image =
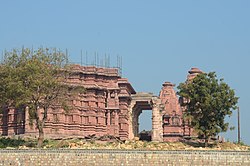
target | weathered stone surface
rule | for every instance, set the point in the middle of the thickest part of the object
(121, 157)
(102, 110)
(193, 73)
(110, 106)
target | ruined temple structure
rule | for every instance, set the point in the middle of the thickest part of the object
(110, 106)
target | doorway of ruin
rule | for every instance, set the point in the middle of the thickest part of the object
(145, 125)
(139, 107)
(140, 102)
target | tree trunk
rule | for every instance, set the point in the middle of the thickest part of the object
(206, 141)
(40, 125)
(40, 137)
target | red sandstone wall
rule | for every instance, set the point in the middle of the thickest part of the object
(174, 126)
(172, 113)
(102, 110)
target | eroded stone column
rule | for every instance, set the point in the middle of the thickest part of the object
(108, 118)
(156, 120)
(136, 113)
(116, 129)
(131, 133)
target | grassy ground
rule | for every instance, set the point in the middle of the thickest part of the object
(129, 145)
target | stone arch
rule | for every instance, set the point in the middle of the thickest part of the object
(145, 101)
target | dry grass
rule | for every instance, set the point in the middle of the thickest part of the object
(126, 145)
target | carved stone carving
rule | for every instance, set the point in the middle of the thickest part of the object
(109, 106)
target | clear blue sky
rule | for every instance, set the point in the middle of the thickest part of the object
(158, 40)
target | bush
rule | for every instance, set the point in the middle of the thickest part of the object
(8, 142)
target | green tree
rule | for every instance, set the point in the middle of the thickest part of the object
(207, 101)
(37, 81)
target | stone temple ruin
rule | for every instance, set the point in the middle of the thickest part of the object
(110, 106)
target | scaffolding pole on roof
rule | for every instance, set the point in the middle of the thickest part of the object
(81, 57)
(97, 59)
(86, 58)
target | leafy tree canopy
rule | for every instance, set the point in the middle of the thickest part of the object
(207, 101)
(36, 80)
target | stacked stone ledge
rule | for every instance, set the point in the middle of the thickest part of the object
(116, 157)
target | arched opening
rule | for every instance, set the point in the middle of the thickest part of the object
(142, 120)
(145, 125)
(145, 101)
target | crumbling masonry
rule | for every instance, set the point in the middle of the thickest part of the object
(110, 106)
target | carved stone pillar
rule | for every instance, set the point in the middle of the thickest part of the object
(28, 128)
(131, 133)
(108, 94)
(156, 120)
(116, 117)
(116, 123)
(27, 116)
(108, 118)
